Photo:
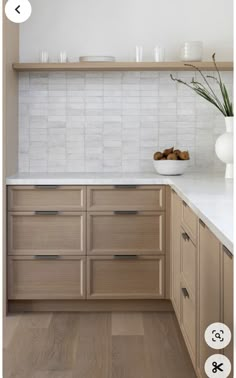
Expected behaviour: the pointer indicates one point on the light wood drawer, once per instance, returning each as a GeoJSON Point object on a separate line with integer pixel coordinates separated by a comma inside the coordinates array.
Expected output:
{"type": "Point", "coordinates": [61, 198]}
{"type": "Point", "coordinates": [46, 277]}
{"type": "Point", "coordinates": [189, 221]}
{"type": "Point", "coordinates": [188, 261]}
{"type": "Point", "coordinates": [125, 278]}
{"type": "Point", "coordinates": [188, 320]}
{"type": "Point", "coordinates": [125, 197]}
{"type": "Point", "coordinates": [38, 233]}
{"type": "Point", "coordinates": [112, 233]}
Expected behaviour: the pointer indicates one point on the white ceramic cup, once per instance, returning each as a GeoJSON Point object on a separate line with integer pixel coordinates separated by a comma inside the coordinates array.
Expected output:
{"type": "Point", "coordinates": [192, 51]}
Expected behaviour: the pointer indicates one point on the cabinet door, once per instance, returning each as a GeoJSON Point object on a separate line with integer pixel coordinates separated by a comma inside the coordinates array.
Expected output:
{"type": "Point", "coordinates": [125, 277]}
{"type": "Point", "coordinates": [126, 232]}
{"type": "Point", "coordinates": [126, 197]}
{"type": "Point", "coordinates": [176, 204]}
{"type": "Point", "coordinates": [46, 197]}
{"type": "Point", "coordinates": [209, 288]}
{"type": "Point", "coordinates": [46, 277]}
{"type": "Point", "coordinates": [46, 233]}
{"type": "Point", "coordinates": [228, 297]}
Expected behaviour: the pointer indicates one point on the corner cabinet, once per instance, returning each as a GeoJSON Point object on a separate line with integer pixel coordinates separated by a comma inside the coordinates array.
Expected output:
{"type": "Point", "coordinates": [202, 282]}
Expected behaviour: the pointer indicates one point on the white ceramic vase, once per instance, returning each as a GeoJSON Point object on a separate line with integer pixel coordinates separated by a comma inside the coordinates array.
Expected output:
{"type": "Point", "coordinates": [224, 147]}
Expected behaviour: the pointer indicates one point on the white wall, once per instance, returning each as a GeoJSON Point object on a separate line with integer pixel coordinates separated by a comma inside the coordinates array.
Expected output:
{"type": "Point", "coordinates": [112, 121]}
{"type": "Point", "coordinates": [115, 27]}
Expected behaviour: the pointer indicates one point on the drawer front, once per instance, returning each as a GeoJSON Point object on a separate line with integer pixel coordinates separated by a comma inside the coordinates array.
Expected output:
{"type": "Point", "coordinates": [112, 233]}
{"type": "Point", "coordinates": [189, 221]}
{"type": "Point", "coordinates": [38, 233]}
{"type": "Point", "coordinates": [61, 198]}
{"type": "Point", "coordinates": [46, 277]}
{"type": "Point", "coordinates": [188, 320]}
{"type": "Point", "coordinates": [125, 197]}
{"type": "Point", "coordinates": [188, 261]}
{"type": "Point", "coordinates": [125, 278]}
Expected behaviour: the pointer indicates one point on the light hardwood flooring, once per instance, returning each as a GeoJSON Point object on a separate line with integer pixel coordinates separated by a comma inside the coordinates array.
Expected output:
{"type": "Point", "coordinates": [95, 345]}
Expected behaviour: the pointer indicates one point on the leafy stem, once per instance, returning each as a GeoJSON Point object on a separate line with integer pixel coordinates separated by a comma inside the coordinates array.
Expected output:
{"type": "Point", "coordinates": [206, 91]}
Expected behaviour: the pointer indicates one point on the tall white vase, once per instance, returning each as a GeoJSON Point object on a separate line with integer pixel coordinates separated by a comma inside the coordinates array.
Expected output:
{"type": "Point", "coordinates": [224, 147]}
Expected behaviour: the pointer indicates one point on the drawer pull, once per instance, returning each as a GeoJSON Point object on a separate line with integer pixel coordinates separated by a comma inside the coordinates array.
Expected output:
{"type": "Point", "coordinates": [46, 212]}
{"type": "Point", "coordinates": [202, 223]}
{"type": "Point", "coordinates": [46, 187]}
{"type": "Point", "coordinates": [125, 186]}
{"type": "Point", "coordinates": [46, 257]}
{"type": "Point", "coordinates": [125, 212]}
{"type": "Point", "coordinates": [228, 253]}
{"type": "Point", "coordinates": [125, 257]}
{"type": "Point", "coordinates": [185, 236]}
{"type": "Point", "coordinates": [185, 292]}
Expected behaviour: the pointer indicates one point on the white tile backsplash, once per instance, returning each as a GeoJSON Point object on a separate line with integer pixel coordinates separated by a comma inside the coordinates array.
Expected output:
{"type": "Point", "coordinates": [112, 121]}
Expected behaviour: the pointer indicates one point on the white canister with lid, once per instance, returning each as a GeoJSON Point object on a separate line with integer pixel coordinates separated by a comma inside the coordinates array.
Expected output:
{"type": "Point", "coordinates": [192, 51]}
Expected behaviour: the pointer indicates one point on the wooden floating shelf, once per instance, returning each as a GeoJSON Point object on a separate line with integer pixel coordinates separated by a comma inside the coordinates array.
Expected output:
{"type": "Point", "coordinates": [120, 66]}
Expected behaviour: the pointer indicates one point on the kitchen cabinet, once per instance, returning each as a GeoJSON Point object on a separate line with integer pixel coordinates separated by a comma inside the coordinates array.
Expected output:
{"type": "Point", "coordinates": [125, 277]}
{"type": "Point", "coordinates": [123, 197]}
{"type": "Point", "coordinates": [46, 198]}
{"type": "Point", "coordinates": [228, 316]}
{"type": "Point", "coordinates": [188, 279]}
{"type": "Point", "coordinates": [46, 277]}
{"type": "Point", "coordinates": [184, 269]}
{"type": "Point", "coordinates": [176, 209]}
{"type": "Point", "coordinates": [126, 232]}
{"type": "Point", "coordinates": [111, 239]}
{"type": "Point", "coordinates": [46, 232]}
{"type": "Point", "coordinates": [209, 308]}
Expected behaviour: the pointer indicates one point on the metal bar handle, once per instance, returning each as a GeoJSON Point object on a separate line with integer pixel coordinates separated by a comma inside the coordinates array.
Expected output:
{"type": "Point", "coordinates": [46, 186]}
{"type": "Point", "coordinates": [185, 292]}
{"type": "Point", "coordinates": [185, 236]}
{"type": "Point", "coordinates": [228, 253]}
{"type": "Point", "coordinates": [125, 212]}
{"type": "Point", "coordinates": [125, 186]}
{"type": "Point", "coordinates": [125, 257]}
{"type": "Point", "coordinates": [46, 212]}
{"type": "Point", "coordinates": [46, 257]}
{"type": "Point", "coordinates": [202, 223]}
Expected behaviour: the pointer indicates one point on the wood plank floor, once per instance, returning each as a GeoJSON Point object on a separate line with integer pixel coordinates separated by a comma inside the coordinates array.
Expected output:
{"type": "Point", "coordinates": [95, 345]}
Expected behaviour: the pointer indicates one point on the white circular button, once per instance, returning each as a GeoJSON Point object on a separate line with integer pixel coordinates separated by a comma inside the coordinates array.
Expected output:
{"type": "Point", "coordinates": [18, 11]}
{"type": "Point", "coordinates": [217, 335]}
{"type": "Point", "coordinates": [217, 366]}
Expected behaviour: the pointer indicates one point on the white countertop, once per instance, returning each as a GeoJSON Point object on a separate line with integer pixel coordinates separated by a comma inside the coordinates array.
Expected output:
{"type": "Point", "coordinates": [209, 195]}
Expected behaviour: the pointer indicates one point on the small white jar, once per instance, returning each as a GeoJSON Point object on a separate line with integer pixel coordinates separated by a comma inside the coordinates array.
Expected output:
{"type": "Point", "coordinates": [192, 51]}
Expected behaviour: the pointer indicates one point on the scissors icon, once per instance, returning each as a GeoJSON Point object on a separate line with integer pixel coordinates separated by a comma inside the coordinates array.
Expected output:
{"type": "Point", "coordinates": [216, 367]}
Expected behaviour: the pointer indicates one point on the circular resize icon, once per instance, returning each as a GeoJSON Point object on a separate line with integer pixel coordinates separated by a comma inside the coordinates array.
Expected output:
{"type": "Point", "coordinates": [217, 366]}
{"type": "Point", "coordinates": [18, 11]}
{"type": "Point", "coordinates": [217, 335]}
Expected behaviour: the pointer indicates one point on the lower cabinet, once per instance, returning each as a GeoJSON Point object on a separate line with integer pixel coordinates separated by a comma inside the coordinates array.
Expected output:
{"type": "Point", "coordinates": [125, 277]}
{"type": "Point", "coordinates": [188, 320]}
{"type": "Point", "coordinates": [202, 283]}
{"type": "Point", "coordinates": [209, 290]}
{"type": "Point", "coordinates": [46, 277]}
{"type": "Point", "coordinates": [228, 312]}
{"type": "Point", "coordinates": [176, 207]}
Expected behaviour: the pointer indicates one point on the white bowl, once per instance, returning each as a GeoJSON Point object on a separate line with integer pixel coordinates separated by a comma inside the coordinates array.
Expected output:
{"type": "Point", "coordinates": [170, 167]}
